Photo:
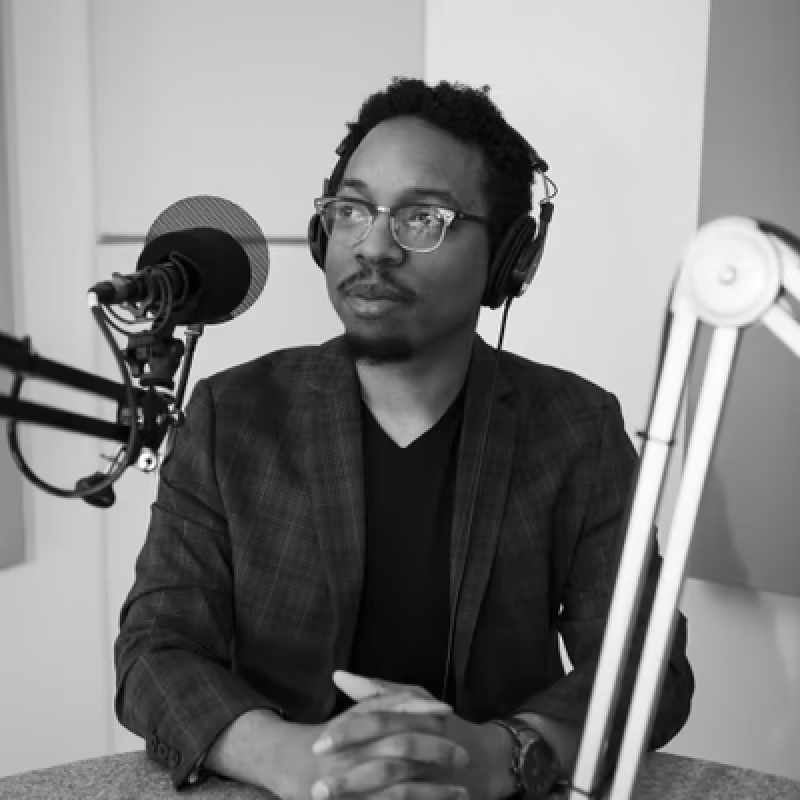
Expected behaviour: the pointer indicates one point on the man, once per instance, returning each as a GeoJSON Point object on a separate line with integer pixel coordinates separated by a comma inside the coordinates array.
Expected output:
{"type": "Point", "coordinates": [402, 506]}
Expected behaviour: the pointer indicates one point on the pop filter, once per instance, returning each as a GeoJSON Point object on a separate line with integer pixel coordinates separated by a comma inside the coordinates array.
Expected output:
{"type": "Point", "coordinates": [225, 244]}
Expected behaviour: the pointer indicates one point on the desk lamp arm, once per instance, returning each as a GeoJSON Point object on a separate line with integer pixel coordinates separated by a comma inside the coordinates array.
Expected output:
{"type": "Point", "coordinates": [736, 272]}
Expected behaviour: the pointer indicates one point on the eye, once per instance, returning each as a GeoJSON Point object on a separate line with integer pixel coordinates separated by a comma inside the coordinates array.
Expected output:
{"type": "Point", "coordinates": [347, 212]}
{"type": "Point", "coordinates": [423, 216]}
{"type": "Point", "coordinates": [345, 209]}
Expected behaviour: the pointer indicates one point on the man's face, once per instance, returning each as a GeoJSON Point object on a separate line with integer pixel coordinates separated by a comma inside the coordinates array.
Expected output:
{"type": "Point", "coordinates": [395, 303]}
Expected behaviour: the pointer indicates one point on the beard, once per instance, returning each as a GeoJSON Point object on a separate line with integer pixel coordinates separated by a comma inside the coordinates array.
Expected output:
{"type": "Point", "coordinates": [383, 350]}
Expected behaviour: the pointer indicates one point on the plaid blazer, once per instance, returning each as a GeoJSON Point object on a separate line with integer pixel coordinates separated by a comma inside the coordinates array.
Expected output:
{"type": "Point", "coordinates": [247, 588]}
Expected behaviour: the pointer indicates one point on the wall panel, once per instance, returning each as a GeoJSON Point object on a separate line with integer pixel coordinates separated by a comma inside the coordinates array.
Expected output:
{"type": "Point", "coordinates": [12, 532]}
{"type": "Point", "coordinates": [747, 530]}
{"type": "Point", "coordinates": [54, 686]}
{"type": "Point", "coordinates": [244, 99]}
{"type": "Point", "coordinates": [125, 106]}
{"type": "Point", "coordinates": [613, 95]}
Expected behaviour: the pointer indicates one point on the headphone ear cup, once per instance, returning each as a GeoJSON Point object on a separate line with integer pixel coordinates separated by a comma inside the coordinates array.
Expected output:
{"type": "Point", "coordinates": [510, 265]}
{"type": "Point", "coordinates": [317, 241]}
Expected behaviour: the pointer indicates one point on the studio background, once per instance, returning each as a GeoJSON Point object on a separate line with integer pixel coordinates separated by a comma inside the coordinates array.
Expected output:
{"type": "Point", "coordinates": [114, 109]}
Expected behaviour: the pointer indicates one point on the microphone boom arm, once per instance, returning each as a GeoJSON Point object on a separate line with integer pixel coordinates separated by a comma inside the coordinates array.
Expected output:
{"type": "Point", "coordinates": [733, 275]}
{"type": "Point", "coordinates": [17, 355]}
{"type": "Point", "coordinates": [145, 416]}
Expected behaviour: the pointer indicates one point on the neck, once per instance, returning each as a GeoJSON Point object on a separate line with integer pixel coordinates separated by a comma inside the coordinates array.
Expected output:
{"type": "Point", "coordinates": [421, 388]}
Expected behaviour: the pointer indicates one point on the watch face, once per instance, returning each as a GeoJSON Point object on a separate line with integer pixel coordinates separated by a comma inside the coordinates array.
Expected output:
{"type": "Point", "coordinates": [539, 766]}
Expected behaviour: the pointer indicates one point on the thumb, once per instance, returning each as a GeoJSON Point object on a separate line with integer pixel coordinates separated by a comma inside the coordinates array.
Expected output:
{"type": "Point", "coordinates": [357, 687]}
{"type": "Point", "coordinates": [373, 694]}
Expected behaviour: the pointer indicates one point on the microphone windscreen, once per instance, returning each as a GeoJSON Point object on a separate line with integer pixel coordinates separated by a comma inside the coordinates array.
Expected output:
{"type": "Point", "coordinates": [200, 220]}
{"type": "Point", "coordinates": [219, 284]}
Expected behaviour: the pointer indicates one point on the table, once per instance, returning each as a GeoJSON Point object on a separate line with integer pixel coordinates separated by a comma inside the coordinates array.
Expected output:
{"type": "Point", "coordinates": [129, 776]}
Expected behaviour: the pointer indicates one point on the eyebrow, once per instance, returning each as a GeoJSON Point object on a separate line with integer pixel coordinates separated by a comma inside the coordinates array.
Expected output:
{"type": "Point", "coordinates": [412, 193]}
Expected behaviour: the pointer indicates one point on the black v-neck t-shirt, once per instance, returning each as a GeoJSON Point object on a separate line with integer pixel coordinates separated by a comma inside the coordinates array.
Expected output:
{"type": "Point", "coordinates": [404, 619]}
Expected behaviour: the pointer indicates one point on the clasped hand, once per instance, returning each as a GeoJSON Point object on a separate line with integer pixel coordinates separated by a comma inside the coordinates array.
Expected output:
{"type": "Point", "coordinates": [400, 743]}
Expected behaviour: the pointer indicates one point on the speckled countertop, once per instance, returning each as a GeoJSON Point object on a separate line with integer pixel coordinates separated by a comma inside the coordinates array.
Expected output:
{"type": "Point", "coordinates": [130, 776]}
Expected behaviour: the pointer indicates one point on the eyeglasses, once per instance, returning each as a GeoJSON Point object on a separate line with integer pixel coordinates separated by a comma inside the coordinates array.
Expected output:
{"type": "Point", "coordinates": [418, 227]}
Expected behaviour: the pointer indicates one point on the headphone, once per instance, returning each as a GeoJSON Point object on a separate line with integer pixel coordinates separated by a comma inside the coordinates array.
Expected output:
{"type": "Point", "coordinates": [516, 259]}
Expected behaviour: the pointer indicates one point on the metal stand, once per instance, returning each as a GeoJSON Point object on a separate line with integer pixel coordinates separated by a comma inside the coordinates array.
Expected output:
{"type": "Point", "coordinates": [733, 275]}
{"type": "Point", "coordinates": [145, 415]}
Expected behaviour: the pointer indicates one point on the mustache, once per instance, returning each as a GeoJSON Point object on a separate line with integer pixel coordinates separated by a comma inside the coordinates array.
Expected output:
{"type": "Point", "coordinates": [370, 277]}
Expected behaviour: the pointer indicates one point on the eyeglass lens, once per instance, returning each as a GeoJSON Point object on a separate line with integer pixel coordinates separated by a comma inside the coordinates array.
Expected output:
{"type": "Point", "coordinates": [415, 227]}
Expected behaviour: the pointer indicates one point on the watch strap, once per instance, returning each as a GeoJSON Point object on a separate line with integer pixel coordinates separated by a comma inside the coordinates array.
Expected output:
{"type": "Point", "coordinates": [524, 736]}
{"type": "Point", "coordinates": [516, 751]}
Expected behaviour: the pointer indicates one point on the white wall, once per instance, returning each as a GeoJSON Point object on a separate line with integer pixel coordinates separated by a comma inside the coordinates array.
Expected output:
{"type": "Point", "coordinates": [12, 529]}
{"type": "Point", "coordinates": [245, 99]}
{"type": "Point", "coordinates": [612, 95]}
{"type": "Point", "coordinates": [118, 110]}
{"type": "Point", "coordinates": [615, 107]}
{"type": "Point", "coordinates": [54, 685]}
{"type": "Point", "coordinates": [251, 99]}
{"type": "Point", "coordinates": [747, 522]}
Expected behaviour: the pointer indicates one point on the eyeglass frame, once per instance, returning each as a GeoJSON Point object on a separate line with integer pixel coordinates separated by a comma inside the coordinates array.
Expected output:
{"type": "Point", "coordinates": [450, 215]}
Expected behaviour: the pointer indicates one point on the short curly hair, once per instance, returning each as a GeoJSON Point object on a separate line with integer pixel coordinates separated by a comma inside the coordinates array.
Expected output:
{"type": "Point", "coordinates": [471, 117]}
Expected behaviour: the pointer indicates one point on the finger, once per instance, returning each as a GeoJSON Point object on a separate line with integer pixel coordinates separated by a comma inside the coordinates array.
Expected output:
{"type": "Point", "coordinates": [368, 777]}
{"type": "Point", "coordinates": [400, 703]}
{"type": "Point", "coordinates": [384, 778]}
{"type": "Point", "coordinates": [360, 688]}
{"type": "Point", "coordinates": [349, 730]}
{"type": "Point", "coordinates": [374, 781]}
{"type": "Point", "coordinates": [357, 687]}
{"type": "Point", "coordinates": [420, 706]}
{"type": "Point", "coordinates": [406, 700]}
{"type": "Point", "coordinates": [421, 791]}
{"type": "Point", "coordinates": [421, 748]}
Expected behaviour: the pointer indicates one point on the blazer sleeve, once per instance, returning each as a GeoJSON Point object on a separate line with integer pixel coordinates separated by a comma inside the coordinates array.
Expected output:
{"type": "Point", "coordinates": [174, 682]}
{"type": "Point", "coordinates": [600, 491]}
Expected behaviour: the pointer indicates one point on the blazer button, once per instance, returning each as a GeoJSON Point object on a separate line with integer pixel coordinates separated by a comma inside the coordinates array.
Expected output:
{"type": "Point", "coordinates": [163, 752]}
{"type": "Point", "coordinates": [174, 759]}
{"type": "Point", "coordinates": [152, 742]}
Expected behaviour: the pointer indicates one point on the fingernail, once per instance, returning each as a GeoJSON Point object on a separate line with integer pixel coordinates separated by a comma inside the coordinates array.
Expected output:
{"type": "Point", "coordinates": [461, 758]}
{"type": "Point", "coordinates": [320, 791]}
{"type": "Point", "coordinates": [322, 745]}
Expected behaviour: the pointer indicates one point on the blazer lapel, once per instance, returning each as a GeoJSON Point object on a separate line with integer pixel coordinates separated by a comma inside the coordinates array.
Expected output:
{"type": "Point", "coordinates": [337, 490]}
{"type": "Point", "coordinates": [337, 485]}
{"type": "Point", "coordinates": [473, 541]}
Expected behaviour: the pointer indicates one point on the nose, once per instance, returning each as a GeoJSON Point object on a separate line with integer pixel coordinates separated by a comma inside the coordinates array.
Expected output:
{"type": "Point", "coordinates": [379, 245]}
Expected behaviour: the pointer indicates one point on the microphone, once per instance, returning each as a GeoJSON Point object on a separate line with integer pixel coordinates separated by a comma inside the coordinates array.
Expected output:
{"type": "Point", "coordinates": [205, 261]}
{"type": "Point", "coordinates": [201, 275]}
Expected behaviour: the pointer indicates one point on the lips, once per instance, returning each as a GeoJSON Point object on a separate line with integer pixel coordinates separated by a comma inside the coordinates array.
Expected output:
{"type": "Point", "coordinates": [377, 291]}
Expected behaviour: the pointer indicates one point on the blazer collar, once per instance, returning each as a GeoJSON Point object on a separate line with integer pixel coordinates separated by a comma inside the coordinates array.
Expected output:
{"type": "Point", "coordinates": [331, 369]}
{"type": "Point", "coordinates": [337, 488]}
{"type": "Point", "coordinates": [333, 425]}
{"type": "Point", "coordinates": [486, 453]}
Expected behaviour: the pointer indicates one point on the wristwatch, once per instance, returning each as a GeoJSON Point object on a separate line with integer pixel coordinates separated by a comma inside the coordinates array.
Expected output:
{"type": "Point", "coordinates": [534, 763]}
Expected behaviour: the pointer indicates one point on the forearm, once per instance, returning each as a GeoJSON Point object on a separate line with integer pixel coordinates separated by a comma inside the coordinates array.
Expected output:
{"type": "Point", "coordinates": [262, 749]}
